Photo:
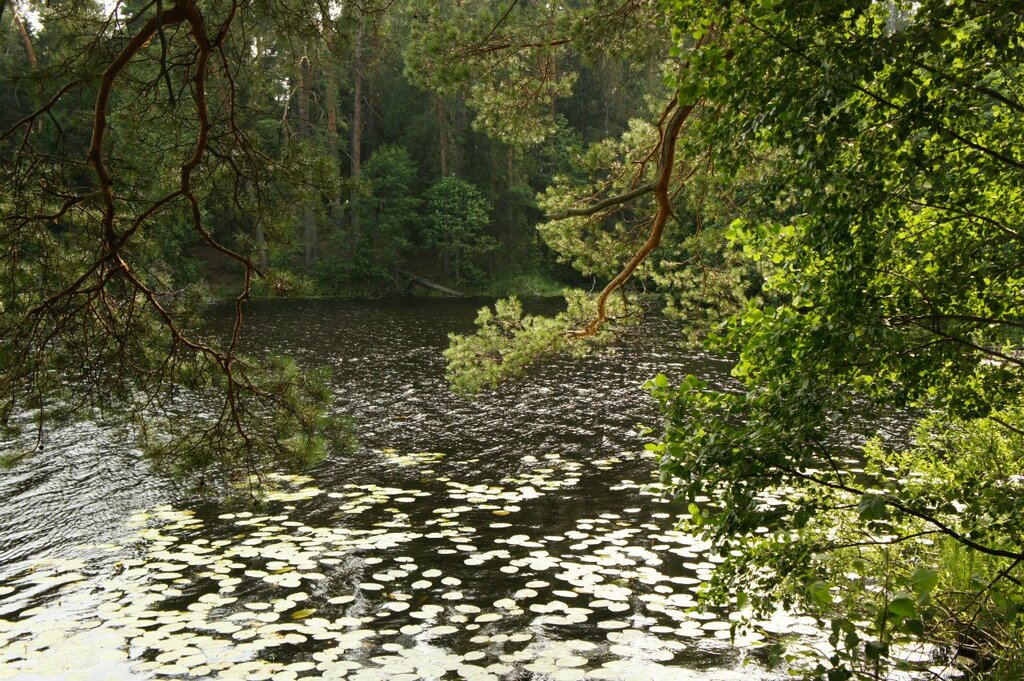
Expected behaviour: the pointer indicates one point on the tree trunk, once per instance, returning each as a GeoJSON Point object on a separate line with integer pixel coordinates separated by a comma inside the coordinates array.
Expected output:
{"type": "Point", "coordinates": [30, 51]}
{"type": "Point", "coordinates": [442, 137]}
{"type": "Point", "coordinates": [25, 39]}
{"type": "Point", "coordinates": [553, 113]}
{"type": "Point", "coordinates": [261, 246]}
{"type": "Point", "coordinates": [371, 94]}
{"type": "Point", "coordinates": [331, 97]}
{"type": "Point", "coordinates": [309, 226]}
{"type": "Point", "coordinates": [333, 139]}
{"type": "Point", "coordinates": [357, 120]}
{"type": "Point", "coordinates": [330, 76]}
{"type": "Point", "coordinates": [461, 122]}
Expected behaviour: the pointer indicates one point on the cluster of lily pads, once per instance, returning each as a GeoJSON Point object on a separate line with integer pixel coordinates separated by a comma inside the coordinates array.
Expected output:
{"type": "Point", "coordinates": [444, 579]}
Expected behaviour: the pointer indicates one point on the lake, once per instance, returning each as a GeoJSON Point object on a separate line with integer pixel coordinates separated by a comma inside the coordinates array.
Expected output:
{"type": "Point", "coordinates": [517, 536]}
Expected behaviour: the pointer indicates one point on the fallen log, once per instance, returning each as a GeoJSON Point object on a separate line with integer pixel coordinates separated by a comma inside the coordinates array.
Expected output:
{"type": "Point", "coordinates": [429, 284]}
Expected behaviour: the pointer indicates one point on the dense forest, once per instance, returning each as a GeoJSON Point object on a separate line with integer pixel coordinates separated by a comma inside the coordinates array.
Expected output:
{"type": "Point", "coordinates": [828, 194]}
{"type": "Point", "coordinates": [377, 159]}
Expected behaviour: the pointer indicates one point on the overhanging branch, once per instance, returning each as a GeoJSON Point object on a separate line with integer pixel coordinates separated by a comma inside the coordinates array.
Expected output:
{"type": "Point", "coordinates": [605, 203]}
{"type": "Point", "coordinates": [660, 188]}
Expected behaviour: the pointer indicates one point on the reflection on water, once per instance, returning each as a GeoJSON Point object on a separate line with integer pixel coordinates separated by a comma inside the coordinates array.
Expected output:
{"type": "Point", "coordinates": [513, 537]}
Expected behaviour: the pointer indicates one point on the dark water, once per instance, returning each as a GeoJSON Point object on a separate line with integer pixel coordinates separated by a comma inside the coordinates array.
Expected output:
{"type": "Point", "coordinates": [510, 537]}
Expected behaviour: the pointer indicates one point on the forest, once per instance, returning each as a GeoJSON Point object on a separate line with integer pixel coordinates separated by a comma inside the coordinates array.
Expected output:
{"type": "Point", "coordinates": [241, 239]}
{"type": "Point", "coordinates": [360, 123]}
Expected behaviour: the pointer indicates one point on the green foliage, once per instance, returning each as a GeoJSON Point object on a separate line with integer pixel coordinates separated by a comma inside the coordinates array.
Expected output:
{"type": "Point", "coordinates": [389, 202]}
{"type": "Point", "coordinates": [702, 276]}
{"type": "Point", "coordinates": [456, 216]}
{"type": "Point", "coordinates": [285, 414]}
{"type": "Point", "coordinates": [388, 213]}
{"type": "Point", "coordinates": [283, 283]}
{"type": "Point", "coordinates": [100, 287]}
{"type": "Point", "coordinates": [513, 63]}
{"type": "Point", "coordinates": [535, 284]}
{"type": "Point", "coordinates": [599, 246]}
{"type": "Point", "coordinates": [529, 80]}
{"type": "Point", "coordinates": [507, 342]}
{"type": "Point", "coordinates": [893, 271]}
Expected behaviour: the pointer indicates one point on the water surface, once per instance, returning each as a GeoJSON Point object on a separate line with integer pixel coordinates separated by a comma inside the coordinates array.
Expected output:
{"type": "Point", "coordinates": [513, 537]}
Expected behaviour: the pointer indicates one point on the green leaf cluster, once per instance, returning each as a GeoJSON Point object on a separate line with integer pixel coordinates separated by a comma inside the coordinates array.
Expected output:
{"type": "Point", "coordinates": [508, 342]}
{"type": "Point", "coordinates": [891, 257]}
